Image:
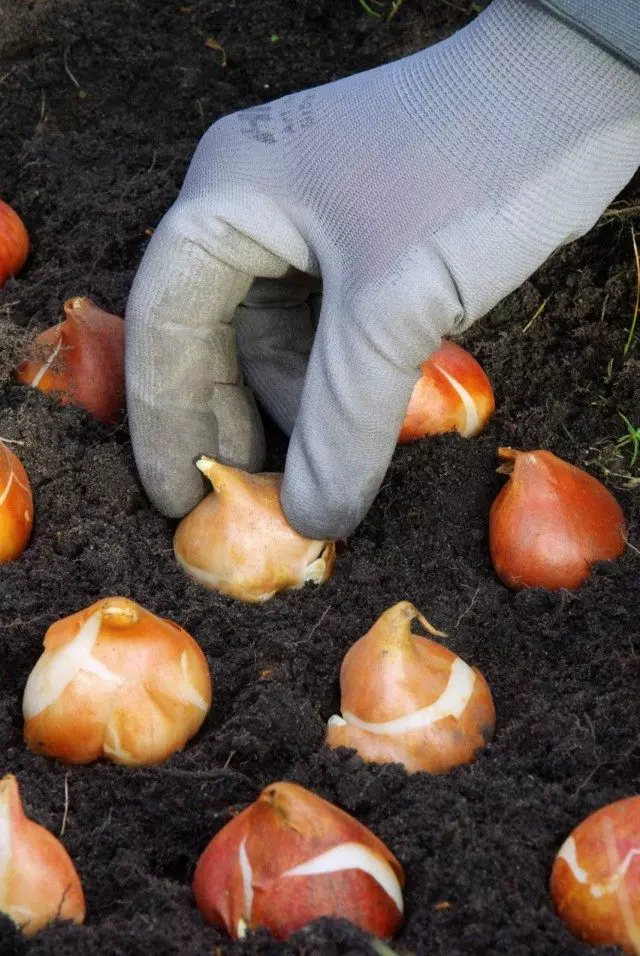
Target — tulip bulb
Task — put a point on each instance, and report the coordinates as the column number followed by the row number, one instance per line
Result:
column 291, row 858
column 452, row 394
column 595, row 879
column 38, row 881
column 238, row 541
column 16, row 506
column 81, row 360
column 407, row 699
column 14, row 243
column 551, row 522
column 115, row 681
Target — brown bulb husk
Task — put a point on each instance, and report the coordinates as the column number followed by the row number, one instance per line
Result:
column 407, row 699
column 238, row 541
column 551, row 522
column 38, row 881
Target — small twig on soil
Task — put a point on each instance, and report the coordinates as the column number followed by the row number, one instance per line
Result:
column 11, row 441
column 609, row 373
column 318, row 623
column 634, row 321
column 394, row 9
column 367, row 6
column 8, row 74
column 632, row 546
column 621, row 209
column 19, row 622
column 604, row 307
column 105, row 823
column 67, row 69
column 586, row 780
column 214, row 44
column 467, row 609
column 66, row 804
column 372, row 13
column 43, row 107
column 536, row 314
column 7, row 306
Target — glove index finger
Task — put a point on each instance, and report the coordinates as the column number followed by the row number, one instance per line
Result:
column 353, row 402
column 185, row 394
column 363, row 367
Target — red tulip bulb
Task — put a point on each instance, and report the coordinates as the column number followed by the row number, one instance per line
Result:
column 292, row 857
column 81, row 360
column 551, row 522
column 452, row 394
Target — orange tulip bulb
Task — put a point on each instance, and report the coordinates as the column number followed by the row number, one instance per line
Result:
column 38, row 881
column 407, row 699
column 452, row 394
column 115, row 681
column 16, row 506
column 551, row 522
column 81, row 360
column 238, row 541
column 14, row 243
column 595, row 880
column 292, row 857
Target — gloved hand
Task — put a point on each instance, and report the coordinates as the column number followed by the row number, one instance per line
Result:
column 421, row 193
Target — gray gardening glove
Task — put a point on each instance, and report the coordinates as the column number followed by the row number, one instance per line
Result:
column 421, row 193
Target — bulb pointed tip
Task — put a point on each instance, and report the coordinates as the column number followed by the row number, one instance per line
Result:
column 9, row 781
column 205, row 464
column 119, row 612
column 508, row 457
column 10, row 799
column 216, row 472
column 398, row 619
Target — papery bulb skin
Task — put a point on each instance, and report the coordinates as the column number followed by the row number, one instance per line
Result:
column 407, row 699
column 38, row 881
column 115, row 681
column 237, row 540
column 14, row 243
column 551, row 522
column 16, row 506
column 452, row 394
column 595, row 879
column 81, row 361
column 291, row 858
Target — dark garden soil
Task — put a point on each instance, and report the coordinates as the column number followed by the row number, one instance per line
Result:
column 101, row 106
